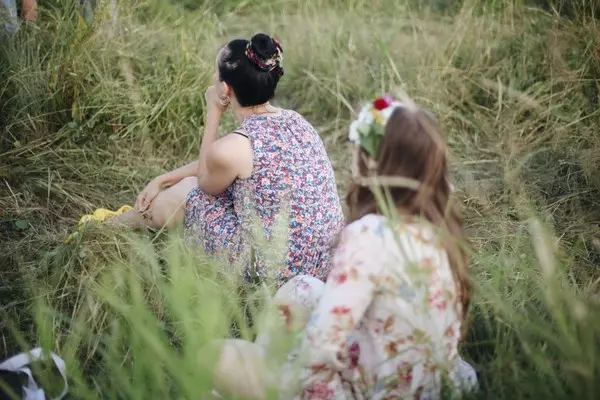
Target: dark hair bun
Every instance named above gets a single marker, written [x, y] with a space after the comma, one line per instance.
[263, 46]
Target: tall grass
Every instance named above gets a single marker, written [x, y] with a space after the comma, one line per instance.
[89, 113]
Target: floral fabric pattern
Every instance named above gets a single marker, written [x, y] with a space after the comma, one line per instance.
[387, 324]
[292, 177]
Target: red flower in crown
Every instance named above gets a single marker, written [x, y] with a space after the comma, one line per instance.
[382, 102]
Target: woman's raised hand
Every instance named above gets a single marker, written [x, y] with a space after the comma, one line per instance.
[215, 100]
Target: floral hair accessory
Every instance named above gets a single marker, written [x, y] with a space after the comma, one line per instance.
[368, 129]
[266, 64]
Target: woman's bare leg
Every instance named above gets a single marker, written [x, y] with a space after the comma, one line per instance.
[242, 370]
[166, 210]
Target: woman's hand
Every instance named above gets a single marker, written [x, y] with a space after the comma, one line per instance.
[216, 101]
[146, 196]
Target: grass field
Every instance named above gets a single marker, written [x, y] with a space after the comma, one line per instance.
[90, 113]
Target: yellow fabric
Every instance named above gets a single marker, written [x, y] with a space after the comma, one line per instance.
[100, 215]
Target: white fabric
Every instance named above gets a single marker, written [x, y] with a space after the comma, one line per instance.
[20, 362]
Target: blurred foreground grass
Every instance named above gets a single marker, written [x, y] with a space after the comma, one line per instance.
[90, 113]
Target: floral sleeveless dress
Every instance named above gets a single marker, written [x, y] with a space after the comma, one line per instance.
[283, 220]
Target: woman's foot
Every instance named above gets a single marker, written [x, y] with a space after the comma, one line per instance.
[100, 215]
[130, 218]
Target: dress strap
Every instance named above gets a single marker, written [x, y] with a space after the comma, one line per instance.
[241, 134]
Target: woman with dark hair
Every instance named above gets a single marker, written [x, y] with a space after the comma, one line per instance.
[273, 166]
[388, 322]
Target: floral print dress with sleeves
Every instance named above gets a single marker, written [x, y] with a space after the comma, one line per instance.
[387, 323]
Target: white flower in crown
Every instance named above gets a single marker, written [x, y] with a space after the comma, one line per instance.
[353, 135]
[369, 127]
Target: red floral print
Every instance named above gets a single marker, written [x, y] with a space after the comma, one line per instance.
[340, 310]
[320, 391]
[339, 278]
[363, 325]
[354, 354]
[405, 373]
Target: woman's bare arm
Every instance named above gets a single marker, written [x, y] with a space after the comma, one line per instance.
[227, 158]
[211, 132]
[171, 178]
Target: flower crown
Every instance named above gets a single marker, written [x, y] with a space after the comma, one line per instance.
[266, 64]
[368, 129]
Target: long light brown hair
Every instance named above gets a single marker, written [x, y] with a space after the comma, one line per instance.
[414, 147]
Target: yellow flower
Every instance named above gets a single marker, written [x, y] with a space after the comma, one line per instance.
[379, 120]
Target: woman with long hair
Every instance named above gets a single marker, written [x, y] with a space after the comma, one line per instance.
[388, 322]
[390, 318]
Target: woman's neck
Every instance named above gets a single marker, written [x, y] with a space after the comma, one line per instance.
[241, 113]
